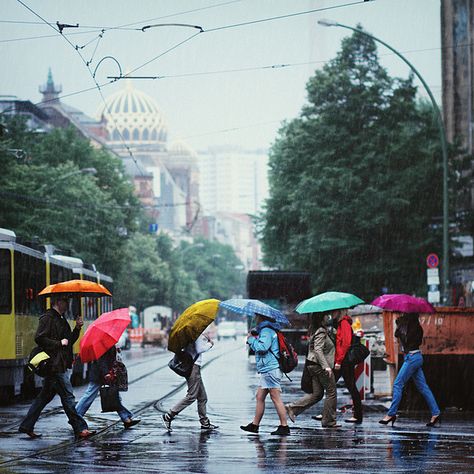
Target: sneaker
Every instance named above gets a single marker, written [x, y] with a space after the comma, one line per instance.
[317, 417]
[281, 431]
[251, 428]
[331, 426]
[167, 419]
[208, 426]
[290, 413]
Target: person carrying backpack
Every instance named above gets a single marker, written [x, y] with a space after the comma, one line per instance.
[264, 342]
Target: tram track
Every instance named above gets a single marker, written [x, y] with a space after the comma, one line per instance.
[54, 411]
[101, 432]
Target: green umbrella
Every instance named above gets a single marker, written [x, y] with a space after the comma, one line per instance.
[328, 301]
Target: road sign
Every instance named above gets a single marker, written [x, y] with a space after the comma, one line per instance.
[432, 260]
[434, 296]
[432, 276]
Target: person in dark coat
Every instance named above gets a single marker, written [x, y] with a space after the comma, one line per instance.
[99, 374]
[54, 336]
[410, 334]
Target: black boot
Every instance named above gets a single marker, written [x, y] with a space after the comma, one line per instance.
[281, 431]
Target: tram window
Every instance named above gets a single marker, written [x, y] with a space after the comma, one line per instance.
[90, 308]
[29, 281]
[5, 282]
[59, 274]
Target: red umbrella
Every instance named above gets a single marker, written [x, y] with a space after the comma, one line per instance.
[103, 333]
[403, 303]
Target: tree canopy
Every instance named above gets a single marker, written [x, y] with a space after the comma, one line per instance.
[355, 180]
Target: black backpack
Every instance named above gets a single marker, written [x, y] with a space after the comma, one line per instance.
[182, 363]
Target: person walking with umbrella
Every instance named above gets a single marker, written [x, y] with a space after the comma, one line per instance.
[55, 337]
[196, 389]
[264, 342]
[100, 373]
[319, 363]
[336, 303]
[410, 333]
[98, 348]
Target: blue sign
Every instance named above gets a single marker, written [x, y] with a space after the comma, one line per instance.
[153, 228]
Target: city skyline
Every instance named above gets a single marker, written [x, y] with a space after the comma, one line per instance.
[226, 86]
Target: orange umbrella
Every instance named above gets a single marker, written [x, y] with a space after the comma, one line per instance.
[78, 287]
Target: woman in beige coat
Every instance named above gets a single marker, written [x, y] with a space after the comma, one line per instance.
[320, 360]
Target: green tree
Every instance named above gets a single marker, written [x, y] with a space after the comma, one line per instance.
[145, 279]
[215, 267]
[46, 198]
[355, 180]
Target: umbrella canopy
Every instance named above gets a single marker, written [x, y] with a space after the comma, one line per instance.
[328, 301]
[191, 323]
[364, 309]
[103, 333]
[83, 287]
[249, 307]
[403, 303]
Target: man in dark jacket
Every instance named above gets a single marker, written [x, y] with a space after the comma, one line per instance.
[55, 337]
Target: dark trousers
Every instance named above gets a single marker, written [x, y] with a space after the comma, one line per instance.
[347, 372]
[55, 384]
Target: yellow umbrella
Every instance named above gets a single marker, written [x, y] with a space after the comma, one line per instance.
[191, 323]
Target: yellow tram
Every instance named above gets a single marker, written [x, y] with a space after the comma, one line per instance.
[24, 272]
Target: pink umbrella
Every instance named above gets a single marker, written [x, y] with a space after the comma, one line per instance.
[403, 303]
[103, 333]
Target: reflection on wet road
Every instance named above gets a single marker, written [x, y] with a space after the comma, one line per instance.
[230, 383]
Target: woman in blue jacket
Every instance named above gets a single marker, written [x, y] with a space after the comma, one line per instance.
[264, 342]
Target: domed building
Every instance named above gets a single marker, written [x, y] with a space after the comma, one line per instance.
[135, 124]
[134, 117]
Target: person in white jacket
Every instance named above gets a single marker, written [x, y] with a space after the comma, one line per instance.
[196, 390]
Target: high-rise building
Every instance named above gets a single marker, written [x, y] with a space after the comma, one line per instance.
[233, 180]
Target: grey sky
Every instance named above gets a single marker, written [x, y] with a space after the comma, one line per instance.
[198, 107]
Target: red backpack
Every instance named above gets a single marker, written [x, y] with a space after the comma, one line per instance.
[288, 359]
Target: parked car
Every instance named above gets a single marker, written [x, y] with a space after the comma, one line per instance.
[225, 330]
[124, 341]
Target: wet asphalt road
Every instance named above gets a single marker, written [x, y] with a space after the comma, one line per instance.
[231, 383]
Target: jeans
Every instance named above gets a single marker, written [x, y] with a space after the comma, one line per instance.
[347, 372]
[412, 368]
[90, 395]
[55, 384]
[196, 391]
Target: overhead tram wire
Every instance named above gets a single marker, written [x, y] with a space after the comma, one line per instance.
[125, 27]
[93, 78]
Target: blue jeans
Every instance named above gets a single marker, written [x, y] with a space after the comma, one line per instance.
[55, 384]
[90, 395]
[412, 368]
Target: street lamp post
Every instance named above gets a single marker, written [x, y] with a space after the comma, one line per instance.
[444, 151]
[92, 171]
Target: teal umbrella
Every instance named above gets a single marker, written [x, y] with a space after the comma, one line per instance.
[328, 301]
